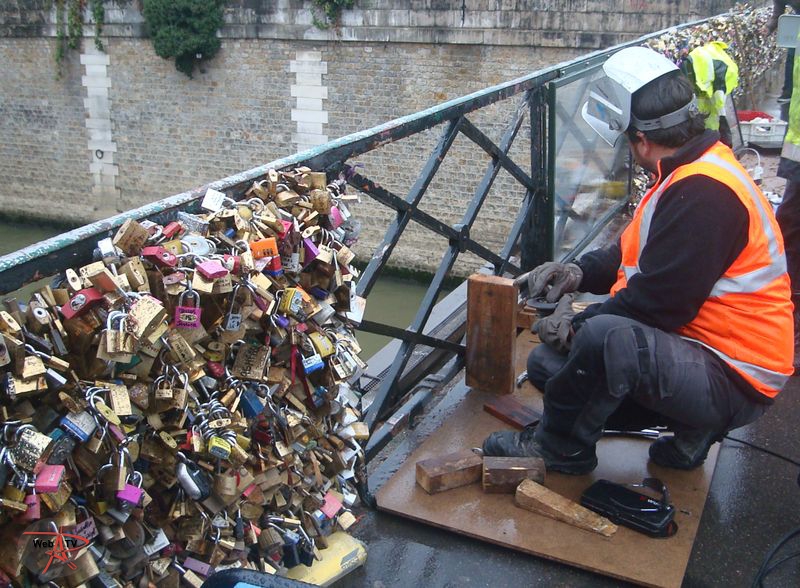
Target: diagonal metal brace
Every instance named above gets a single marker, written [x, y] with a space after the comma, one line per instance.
[485, 143]
[411, 336]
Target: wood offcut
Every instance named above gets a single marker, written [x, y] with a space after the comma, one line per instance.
[536, 498]
[502, 475]
[449, 471]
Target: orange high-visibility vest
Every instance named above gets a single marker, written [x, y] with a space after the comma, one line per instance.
[747, 318]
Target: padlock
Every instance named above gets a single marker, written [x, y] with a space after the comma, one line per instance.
[251, 362]
[188, 577]
[131, 237]
[211, 269]
[218, 447]
[159, 256]
[313, 363]
[31, 449]
[233, 318]
[188, 317]
[171, 230]
[267, 247]
[194, 481]
[132, 493]
[49, 478]
[82, 301]
[85, 568]
[291, 303]
[34, 503]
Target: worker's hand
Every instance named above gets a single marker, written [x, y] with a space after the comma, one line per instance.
[552, 279]
[556, 329]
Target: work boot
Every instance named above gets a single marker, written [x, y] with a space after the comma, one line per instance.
[685, 450]
[525, 444]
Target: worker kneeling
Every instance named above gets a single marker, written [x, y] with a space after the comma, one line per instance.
[698, 329]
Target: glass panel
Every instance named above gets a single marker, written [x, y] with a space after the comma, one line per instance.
[590, 176]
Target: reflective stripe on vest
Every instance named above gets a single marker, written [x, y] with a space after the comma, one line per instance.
[772, 379]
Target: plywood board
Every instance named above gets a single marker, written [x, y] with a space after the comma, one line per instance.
[627, 555]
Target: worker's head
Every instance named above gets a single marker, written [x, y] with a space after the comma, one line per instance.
[670, 95]
[644, 95]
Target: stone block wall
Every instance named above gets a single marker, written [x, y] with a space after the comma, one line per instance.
[111, 136]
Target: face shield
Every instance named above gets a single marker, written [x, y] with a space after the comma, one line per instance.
[608, 108]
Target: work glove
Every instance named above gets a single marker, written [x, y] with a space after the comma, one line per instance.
[556, 329]
[562, 278]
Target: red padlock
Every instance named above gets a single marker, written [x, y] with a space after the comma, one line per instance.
[274, 266]
[171, 230]
[215, 369]
[160, 256]
[82, 301]
[233, 263]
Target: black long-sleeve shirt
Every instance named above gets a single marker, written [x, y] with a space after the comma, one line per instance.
[698, 229]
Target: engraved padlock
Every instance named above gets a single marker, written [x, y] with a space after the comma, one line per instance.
[188, 317]
[233, 319]
[211, 269]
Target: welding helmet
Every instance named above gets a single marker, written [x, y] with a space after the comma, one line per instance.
[608, 108]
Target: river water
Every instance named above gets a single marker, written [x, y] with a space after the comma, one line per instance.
[392, 301]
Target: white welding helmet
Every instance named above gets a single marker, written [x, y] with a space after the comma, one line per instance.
[608, 109]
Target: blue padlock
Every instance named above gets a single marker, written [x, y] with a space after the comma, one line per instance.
[250, 404]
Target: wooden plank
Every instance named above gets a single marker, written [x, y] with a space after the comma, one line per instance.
[512, 412]
[491, 333]
[534, 497]
[628, 555]
[449, 471]
[502, 475]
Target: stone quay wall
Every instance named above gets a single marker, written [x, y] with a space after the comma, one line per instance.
[121, 128]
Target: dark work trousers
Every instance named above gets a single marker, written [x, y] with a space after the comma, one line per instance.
[788, 216]
[788, 71]
[629, 375]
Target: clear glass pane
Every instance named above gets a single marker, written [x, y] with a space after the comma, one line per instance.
[590, 176]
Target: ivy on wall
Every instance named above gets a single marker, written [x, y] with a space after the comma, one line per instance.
[331, 12]
[69, 25]
[185, 30]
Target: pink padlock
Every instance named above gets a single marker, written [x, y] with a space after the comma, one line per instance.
[49, 478]
[198, 566]
[34, 512]
[287, 227]
[188, 317]
[132, 493]
[212, 269]
[335, 217]
[311, 251]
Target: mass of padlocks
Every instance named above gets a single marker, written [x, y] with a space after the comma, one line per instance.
[742, 28]
[183, 403]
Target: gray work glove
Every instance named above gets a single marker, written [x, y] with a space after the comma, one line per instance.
[556, 329]
[562, 278]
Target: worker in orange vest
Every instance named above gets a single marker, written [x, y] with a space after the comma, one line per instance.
[697, 332]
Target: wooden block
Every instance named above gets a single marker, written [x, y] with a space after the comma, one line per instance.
[502, 475]
[526, 316]
[511, 411]
[491, 333]
[449, 471]
[536, 498]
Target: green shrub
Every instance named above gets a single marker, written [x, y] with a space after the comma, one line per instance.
[331, 11]
[185, 30]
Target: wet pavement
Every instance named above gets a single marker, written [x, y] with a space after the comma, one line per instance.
[754, 501]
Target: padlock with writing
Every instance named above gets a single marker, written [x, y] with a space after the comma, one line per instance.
[188, 317]
[31, 448]
[312, 363]
[49, 478]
